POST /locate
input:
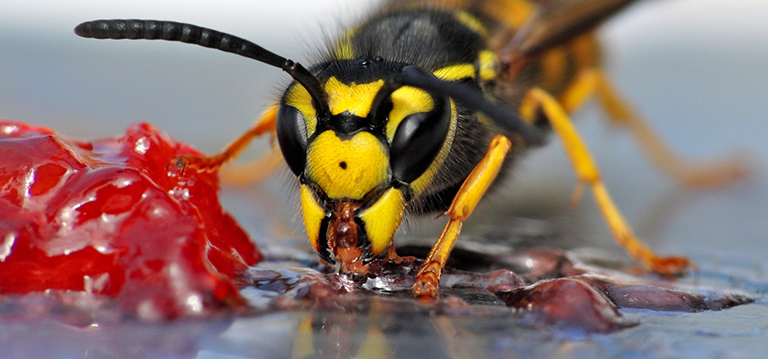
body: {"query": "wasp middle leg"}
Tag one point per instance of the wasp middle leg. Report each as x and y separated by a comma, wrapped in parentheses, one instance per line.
(465, 201)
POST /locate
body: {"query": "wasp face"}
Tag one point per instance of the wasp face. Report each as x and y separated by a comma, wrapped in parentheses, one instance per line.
(361, 161)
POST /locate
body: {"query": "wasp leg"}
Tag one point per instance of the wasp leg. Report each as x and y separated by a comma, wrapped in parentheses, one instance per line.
(426, 283)
(251, 172)
(689, 173)
(588, 174)
(266, 124)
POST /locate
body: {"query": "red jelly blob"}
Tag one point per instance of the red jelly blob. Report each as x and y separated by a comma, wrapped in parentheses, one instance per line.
(567, 302)
(111, 217)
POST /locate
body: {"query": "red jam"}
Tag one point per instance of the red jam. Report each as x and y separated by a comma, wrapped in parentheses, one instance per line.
(111, 217)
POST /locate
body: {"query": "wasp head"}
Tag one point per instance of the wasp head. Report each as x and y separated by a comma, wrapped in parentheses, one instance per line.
(360, 155)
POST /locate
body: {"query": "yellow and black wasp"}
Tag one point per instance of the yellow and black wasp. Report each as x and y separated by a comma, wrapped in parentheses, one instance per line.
(418, 108)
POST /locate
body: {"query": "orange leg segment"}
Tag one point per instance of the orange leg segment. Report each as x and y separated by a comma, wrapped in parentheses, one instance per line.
(474, 187)
(252, 172)
(266, 124)
(588, 174)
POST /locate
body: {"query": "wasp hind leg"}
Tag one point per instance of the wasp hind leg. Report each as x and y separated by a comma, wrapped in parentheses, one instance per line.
(249, 173)
(588, 174)
(689, 173)
(465, 201)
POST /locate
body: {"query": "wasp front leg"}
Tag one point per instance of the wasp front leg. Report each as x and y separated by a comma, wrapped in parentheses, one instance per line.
(474, 187)
(588, 174)
(266, 124)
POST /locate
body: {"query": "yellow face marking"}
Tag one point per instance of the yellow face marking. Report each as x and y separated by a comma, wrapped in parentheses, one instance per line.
(455, 72)
(313, 215)
(407, 100)
(348, 168)
(299, 98)
(382, 219)
(489, 65)
(357, 99)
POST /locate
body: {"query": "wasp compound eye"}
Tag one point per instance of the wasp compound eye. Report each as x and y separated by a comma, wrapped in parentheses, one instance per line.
(418, 140)
(292, 137)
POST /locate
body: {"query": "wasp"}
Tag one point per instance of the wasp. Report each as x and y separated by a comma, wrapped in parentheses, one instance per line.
(419, 108)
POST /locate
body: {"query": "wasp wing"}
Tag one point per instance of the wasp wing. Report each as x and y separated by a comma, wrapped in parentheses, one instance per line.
(557, 21)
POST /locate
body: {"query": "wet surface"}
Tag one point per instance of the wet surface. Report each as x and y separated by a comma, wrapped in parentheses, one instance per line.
(674, 60)
(550, 290)
(298, 311)
(302, 311)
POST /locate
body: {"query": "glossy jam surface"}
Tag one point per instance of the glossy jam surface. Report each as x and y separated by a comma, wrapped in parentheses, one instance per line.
(110, 217)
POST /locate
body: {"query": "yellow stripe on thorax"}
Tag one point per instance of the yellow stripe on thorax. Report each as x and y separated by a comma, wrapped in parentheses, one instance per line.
(488, 68)
(472, 23)
(455, 72)
(343, 49)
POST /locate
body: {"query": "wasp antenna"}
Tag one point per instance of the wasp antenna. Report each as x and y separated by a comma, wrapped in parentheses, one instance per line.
(382, 103)
(312, 84)
(180, 32)
(119, 29)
